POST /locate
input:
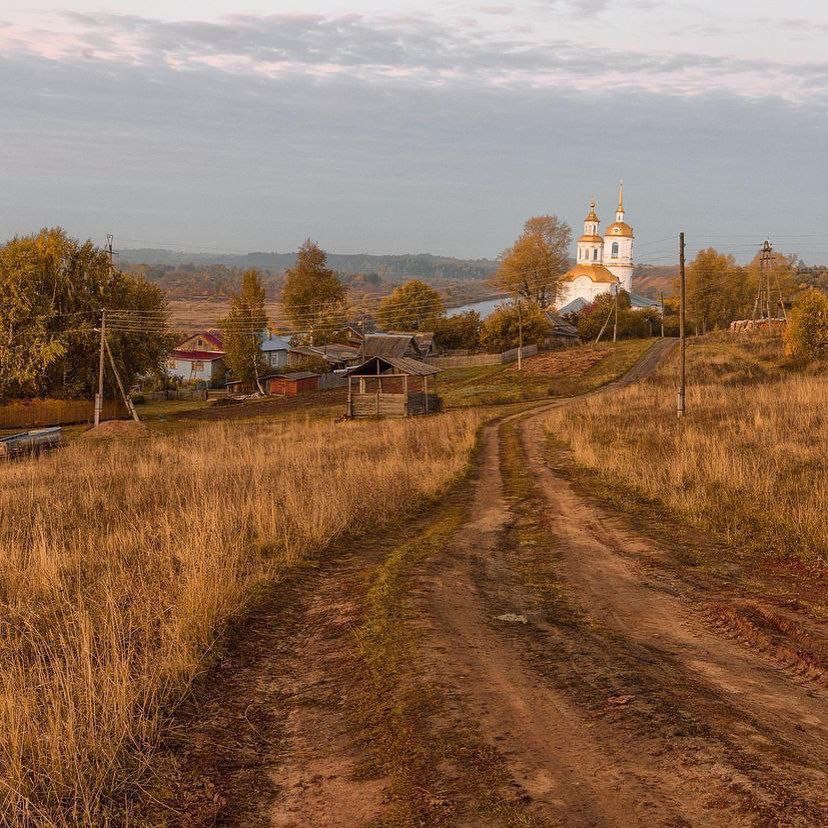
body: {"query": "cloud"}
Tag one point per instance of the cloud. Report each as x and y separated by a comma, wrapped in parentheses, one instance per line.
(408, 49)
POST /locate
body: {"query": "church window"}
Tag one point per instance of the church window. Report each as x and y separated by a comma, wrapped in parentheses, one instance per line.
(595, 254)
(615, 250)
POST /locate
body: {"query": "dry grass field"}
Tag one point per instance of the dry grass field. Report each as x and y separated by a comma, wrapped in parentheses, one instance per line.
(747, 463)
(122, 560)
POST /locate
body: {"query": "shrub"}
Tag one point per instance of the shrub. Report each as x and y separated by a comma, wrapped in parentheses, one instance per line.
(806, 335)
(460, 331)
(501, 330)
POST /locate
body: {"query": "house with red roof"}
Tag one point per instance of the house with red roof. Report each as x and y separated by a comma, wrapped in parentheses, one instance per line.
(199, 358)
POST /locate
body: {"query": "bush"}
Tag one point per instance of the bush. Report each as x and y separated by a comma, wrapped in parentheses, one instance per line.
(632, 324)
(806, 334)
(460, 331)
(501, 330)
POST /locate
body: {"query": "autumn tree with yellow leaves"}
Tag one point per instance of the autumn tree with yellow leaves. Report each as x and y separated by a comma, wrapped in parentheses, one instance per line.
(534, 264)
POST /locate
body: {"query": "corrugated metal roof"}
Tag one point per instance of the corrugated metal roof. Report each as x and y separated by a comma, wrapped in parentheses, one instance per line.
(578, 303)
(639, 301)
(402, 365)
(275, 343)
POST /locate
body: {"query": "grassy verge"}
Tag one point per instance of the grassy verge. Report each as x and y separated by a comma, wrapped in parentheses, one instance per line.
(563, 373)
(123, 560)
(748, 462)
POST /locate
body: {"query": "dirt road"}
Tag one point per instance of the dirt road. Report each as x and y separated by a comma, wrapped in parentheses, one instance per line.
(533, 662)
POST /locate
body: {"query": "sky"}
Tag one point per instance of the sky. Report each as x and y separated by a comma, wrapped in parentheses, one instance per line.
(414, 126)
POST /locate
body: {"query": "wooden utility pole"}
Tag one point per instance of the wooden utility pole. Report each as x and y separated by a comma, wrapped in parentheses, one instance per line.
(682, 338)
(99, 395)
(662, 313)
(520, 335)
(126, 398)
(615, 323)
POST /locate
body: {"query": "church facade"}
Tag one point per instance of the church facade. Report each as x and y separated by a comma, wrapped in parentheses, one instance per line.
(602, 260)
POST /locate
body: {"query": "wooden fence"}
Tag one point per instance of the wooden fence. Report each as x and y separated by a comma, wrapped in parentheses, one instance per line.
(482, 359)
(40, 413)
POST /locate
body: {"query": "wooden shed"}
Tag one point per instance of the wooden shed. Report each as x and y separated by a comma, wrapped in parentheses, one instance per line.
(290, 384)
(391, 387)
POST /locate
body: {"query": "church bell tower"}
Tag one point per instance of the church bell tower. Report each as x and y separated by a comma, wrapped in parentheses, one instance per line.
(618, 246)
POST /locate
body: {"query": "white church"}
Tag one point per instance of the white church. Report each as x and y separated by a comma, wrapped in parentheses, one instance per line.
(602, 263)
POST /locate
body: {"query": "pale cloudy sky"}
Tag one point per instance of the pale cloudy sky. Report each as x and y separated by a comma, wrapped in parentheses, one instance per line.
(414, 126)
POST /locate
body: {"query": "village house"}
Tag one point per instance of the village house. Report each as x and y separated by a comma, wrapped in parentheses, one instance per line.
(391, 345)
(275, 350)
(391, 387)
(199, 358)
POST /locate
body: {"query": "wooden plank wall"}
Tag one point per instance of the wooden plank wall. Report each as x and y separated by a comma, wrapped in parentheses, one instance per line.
(382, 405)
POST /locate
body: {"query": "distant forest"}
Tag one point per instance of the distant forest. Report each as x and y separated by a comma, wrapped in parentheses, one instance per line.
(186, 275)
(216, 276)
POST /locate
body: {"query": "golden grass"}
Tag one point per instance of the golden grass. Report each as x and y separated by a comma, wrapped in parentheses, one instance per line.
(748, 462)
(121, 561)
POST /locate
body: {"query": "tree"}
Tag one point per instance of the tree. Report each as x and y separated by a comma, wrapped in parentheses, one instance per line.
(243, 330)
(718, 291)
(806, 334)
(459, 331)
(501, 330)
(54, 288)
(413, 306)
(532, 266)
(313, 295)
(632, 323)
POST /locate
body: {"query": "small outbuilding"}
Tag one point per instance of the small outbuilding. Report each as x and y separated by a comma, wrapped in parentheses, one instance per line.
(290, 384)
(391, 387)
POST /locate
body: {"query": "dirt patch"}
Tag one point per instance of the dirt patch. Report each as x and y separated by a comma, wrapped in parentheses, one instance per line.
(117, 428)
(268, 406)
(572, 362)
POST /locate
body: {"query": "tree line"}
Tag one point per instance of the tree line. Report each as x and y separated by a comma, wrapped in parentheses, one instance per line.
(55, 287)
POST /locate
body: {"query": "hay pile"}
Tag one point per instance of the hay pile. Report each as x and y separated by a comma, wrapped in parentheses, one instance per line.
(117, 428)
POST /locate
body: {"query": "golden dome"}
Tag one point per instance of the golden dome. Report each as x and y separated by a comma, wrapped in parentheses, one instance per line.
(596, 272)
(619, 228)
(594, 239)
(592, 215)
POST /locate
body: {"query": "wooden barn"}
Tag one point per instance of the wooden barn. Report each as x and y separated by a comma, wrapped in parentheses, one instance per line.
(290, 384)
(391, 387)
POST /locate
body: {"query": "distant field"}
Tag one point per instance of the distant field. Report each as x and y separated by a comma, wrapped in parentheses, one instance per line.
(198, 313)
(195, 314)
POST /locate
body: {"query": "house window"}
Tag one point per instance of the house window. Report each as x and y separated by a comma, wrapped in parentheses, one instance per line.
(198, 366)
(615, 250)
(199, 342)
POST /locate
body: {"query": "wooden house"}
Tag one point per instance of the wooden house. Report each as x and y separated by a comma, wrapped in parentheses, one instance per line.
(391, 346)
(290, 384)
(391, 387)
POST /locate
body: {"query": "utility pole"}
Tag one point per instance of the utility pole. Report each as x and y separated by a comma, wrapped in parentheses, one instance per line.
(615, 324)
(126, 398)
(99, 395)
(662, 313)
(520, 335)
(682, 338)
